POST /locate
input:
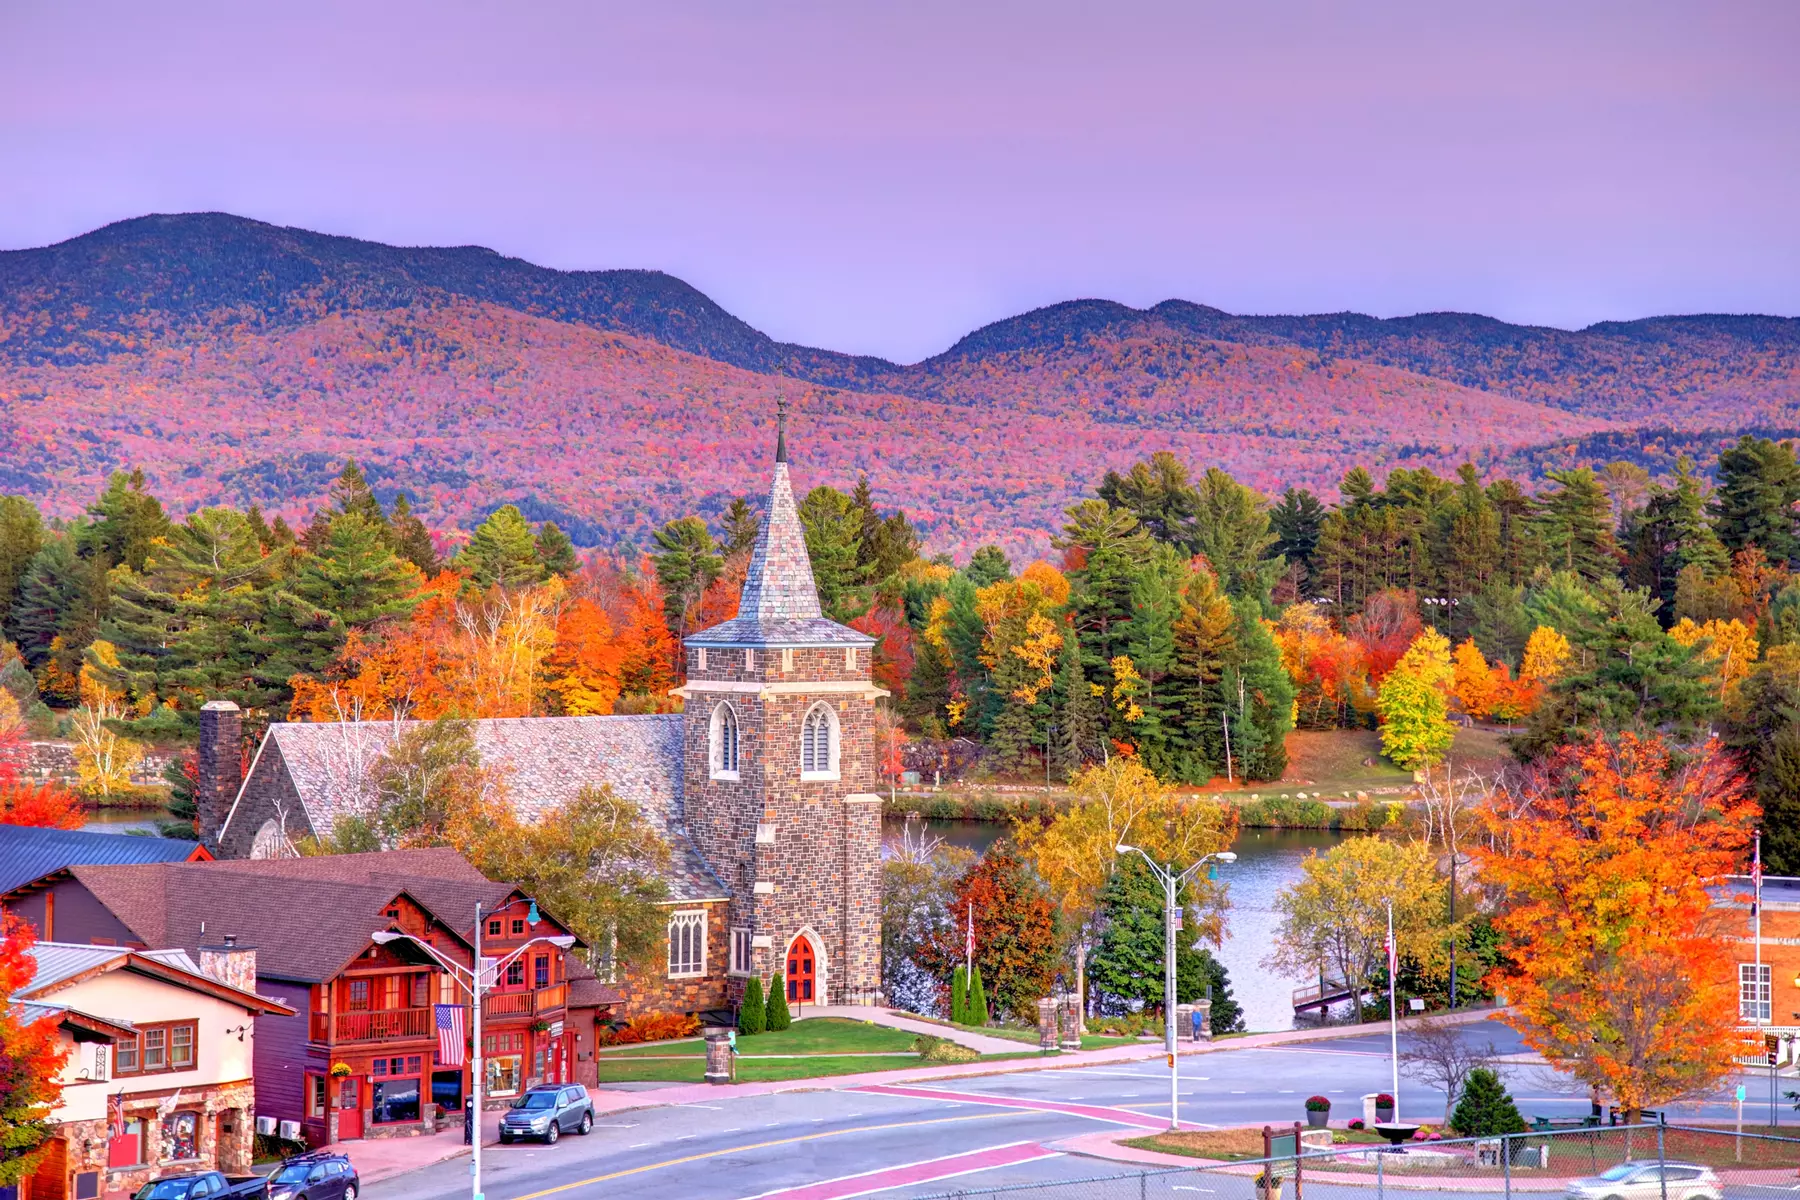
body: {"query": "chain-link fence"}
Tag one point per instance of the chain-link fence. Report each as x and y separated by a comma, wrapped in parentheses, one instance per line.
(1623, 1162)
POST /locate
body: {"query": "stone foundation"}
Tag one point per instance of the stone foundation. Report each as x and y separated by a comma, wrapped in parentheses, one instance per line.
(224, 1134)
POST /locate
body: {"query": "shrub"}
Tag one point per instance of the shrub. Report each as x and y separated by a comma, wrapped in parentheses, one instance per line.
(1317, 1104)
(943, 1050)
(975, 1009)
(959, 997)
(775, 1014)
(1357, 1123)
(1486, 1110)
(652, 1027)
(752, 1017)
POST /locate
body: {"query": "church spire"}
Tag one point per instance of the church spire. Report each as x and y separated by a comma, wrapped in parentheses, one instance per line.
(780, 585)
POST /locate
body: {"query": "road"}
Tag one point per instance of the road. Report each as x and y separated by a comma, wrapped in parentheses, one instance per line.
(989, 1131)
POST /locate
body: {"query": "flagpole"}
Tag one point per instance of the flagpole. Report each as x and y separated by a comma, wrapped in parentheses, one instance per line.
(1393, 958)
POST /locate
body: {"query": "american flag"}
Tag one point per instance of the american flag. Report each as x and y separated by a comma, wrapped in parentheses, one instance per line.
(452, 1034)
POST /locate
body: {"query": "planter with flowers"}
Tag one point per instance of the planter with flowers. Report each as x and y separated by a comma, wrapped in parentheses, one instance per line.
(1384, 1108)
(1318, 1112)
(340, 1070)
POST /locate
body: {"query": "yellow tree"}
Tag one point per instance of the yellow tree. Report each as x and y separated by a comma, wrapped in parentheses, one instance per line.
(104, 760)
(1122, 801)
(1730, 649)
(1415, 722)
(1547, 653)
(1334, 917)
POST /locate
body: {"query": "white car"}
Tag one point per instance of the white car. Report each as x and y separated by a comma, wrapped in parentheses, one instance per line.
(1648, 1181)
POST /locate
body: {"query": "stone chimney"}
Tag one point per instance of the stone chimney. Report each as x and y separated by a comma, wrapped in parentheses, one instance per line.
(220, 763)
(230, 963)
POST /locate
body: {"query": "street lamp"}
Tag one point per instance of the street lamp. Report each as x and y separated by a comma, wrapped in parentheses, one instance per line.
(1172, 884)
(474, 981)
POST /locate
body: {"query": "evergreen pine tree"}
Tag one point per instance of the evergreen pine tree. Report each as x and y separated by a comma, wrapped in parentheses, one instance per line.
(555, 552)
(351, 494)
(412, 541)
(1486, 1110)
(752, 1017)
(1264, 695)
(181, 773)
(959, 1002)
(1128, 963)
(687, 561)
(977, 1005)
(1778, 788)
(1079, 721)
(125, 521)
(1754, 503)
(834, 543)
(21, 537)
(928, 690)
(775, 1013)
(1204, 642)
(353, 582)
(988, 566)
(740, 526)
(1576, 525)
(502, 551)
(1296, 521)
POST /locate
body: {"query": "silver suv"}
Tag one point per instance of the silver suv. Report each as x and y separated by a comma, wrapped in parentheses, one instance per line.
(548, 1111)
(1648, 1181)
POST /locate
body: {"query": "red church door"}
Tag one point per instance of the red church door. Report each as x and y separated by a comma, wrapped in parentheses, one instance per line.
(800, 972)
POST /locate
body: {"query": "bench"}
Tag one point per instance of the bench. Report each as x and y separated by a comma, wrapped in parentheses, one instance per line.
(1544, 1124)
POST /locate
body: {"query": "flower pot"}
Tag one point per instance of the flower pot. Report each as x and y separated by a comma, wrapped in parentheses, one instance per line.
(1318, 1118)
(1384, 1115)
(1267, 1189)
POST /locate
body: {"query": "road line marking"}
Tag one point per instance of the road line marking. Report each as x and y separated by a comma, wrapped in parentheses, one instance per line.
(639, 1146)
(882, 1179)
(708, 1107)
(1113, 1115)
(788, 1141)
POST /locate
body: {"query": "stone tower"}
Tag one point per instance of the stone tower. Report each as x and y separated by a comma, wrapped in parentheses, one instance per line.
(779, 773)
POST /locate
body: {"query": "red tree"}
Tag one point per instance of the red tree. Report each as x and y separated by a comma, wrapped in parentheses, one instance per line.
(1016, 935)
(31, 1059)
(46, 806)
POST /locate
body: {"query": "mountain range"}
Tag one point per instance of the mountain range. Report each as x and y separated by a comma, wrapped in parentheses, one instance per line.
(237, 361)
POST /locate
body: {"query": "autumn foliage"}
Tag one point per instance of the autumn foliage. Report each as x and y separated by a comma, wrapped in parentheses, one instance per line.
(1618, 969)
(31, 1058)
(1016, 931)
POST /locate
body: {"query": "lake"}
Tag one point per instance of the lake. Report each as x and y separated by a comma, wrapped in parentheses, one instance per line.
(1268, 860)
(123, 820)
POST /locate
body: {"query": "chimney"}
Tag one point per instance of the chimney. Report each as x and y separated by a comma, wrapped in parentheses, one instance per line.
(220, 764)
(230, 963)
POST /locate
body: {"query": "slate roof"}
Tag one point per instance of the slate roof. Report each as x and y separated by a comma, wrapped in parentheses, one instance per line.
(547, 761)
(780, 601)
(28, 853)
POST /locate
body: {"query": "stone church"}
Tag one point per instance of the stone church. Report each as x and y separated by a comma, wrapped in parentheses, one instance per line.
(763, 787)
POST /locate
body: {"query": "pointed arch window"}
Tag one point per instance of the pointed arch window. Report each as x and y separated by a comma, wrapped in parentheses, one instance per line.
(725, 742)
(819, 743)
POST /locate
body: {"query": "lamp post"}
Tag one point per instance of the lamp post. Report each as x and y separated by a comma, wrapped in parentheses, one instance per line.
(474, 981)
(1172, 882)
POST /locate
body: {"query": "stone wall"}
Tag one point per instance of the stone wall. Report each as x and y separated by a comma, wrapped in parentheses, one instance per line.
(226, 1131)
(652, 991)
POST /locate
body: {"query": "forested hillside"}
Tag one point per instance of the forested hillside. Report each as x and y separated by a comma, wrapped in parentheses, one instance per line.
(238, 362)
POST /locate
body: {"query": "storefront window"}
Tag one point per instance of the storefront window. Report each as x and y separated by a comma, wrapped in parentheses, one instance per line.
(181, 1136)
(394, 1100)
(503, 1075)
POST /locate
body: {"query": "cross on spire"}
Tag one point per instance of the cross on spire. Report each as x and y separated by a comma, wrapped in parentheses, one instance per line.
(781, 429)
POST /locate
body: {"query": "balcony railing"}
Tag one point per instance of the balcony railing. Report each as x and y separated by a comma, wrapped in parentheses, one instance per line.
(378, 1025)
(525, 1004)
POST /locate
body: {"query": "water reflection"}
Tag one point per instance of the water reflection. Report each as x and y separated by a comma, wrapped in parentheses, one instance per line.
(1268, 860)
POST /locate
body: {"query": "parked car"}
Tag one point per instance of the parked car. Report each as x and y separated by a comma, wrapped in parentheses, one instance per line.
(204, 1185)
(548, 1111)
(1648, 1181)
(319, 1176)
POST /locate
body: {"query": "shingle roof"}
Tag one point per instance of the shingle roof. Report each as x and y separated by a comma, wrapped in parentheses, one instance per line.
(546, 761)
(780, 601)
(299, 930)
(28, 853)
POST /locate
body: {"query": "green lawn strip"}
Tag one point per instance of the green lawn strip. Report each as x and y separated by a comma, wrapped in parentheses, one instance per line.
(815, 1035)
(1230, 1145)
(661, 1050)
(764, 1070)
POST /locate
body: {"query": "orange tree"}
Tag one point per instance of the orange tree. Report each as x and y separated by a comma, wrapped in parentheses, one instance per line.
(30, 1059)
(1618, 968)
(1016, 933)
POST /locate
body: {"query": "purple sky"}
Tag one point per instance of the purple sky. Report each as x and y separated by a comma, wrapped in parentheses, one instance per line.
(885, 177)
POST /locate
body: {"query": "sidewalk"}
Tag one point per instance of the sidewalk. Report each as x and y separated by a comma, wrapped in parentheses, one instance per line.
(892, 1020)
(383, 1158)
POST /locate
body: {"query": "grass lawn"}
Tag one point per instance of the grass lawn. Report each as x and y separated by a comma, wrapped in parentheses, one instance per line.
(825, 1046)
(1229, 1145)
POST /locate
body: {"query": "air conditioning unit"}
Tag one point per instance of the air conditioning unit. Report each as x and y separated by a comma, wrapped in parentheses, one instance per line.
(265, 1126)
(290, 1131)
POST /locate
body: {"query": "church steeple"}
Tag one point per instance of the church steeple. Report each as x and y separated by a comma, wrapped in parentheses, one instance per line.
(781, 430)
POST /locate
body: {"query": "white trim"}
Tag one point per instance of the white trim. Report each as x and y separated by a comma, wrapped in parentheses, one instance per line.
(821, 976)
(715, 741)
(685, 917)
(769, 691)
(747, 965)
(862, 798)
(762, 889)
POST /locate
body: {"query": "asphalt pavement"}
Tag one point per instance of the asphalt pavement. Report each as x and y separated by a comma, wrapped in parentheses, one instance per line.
(988, 1131)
